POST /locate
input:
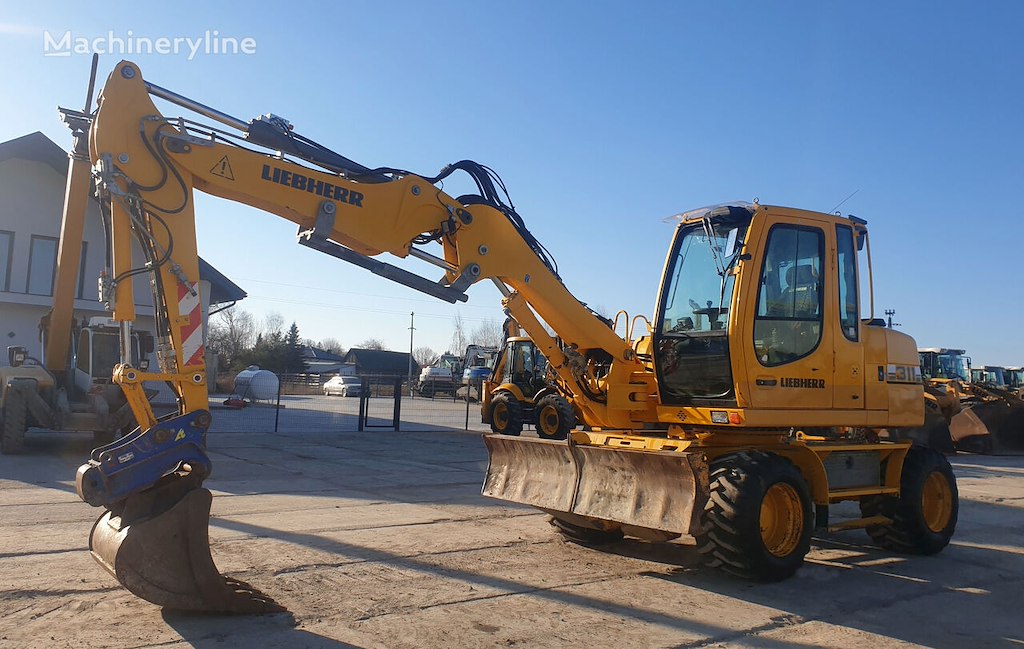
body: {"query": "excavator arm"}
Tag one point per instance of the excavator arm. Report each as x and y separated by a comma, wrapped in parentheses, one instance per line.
(146, 167)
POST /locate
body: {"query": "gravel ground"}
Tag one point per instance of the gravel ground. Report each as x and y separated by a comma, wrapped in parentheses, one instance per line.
(381, 539)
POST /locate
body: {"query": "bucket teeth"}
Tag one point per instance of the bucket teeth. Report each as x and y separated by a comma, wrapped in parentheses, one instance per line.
(161, 553)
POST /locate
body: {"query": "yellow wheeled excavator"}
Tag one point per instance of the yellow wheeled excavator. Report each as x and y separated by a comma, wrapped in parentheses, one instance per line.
(751, 403)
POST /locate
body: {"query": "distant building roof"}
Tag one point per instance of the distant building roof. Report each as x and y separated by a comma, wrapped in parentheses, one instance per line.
(379, 361)
(311, 353)
(39, 148)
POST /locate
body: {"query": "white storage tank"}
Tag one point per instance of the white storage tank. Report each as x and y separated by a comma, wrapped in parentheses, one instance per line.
(256, 384)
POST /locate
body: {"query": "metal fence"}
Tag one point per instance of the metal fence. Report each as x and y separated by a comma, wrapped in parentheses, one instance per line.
(387, 402)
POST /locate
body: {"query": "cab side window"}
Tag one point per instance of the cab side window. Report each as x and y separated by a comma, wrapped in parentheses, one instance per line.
(788, 322)
(847, 267)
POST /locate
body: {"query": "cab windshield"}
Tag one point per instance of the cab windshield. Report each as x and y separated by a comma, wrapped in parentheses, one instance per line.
(953, 366)
(692, 346)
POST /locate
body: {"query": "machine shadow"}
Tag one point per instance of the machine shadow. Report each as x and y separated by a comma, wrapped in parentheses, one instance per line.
(217, 631)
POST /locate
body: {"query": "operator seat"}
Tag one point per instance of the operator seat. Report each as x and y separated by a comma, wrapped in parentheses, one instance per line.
(801, 292)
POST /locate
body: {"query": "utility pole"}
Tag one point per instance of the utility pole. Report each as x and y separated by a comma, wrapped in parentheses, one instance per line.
(412, 320)
(890, 313)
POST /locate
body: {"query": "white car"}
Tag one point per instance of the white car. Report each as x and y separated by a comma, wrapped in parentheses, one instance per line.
(346, 386)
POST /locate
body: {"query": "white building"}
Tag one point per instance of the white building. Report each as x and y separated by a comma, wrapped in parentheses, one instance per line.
(33, 173)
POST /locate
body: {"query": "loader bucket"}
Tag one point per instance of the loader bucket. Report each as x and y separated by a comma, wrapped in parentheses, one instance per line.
(164, 558)
(655, 495)
(995, 428)
(935, 432)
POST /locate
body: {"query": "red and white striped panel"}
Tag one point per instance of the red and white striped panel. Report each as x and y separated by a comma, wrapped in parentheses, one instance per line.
(192, 333)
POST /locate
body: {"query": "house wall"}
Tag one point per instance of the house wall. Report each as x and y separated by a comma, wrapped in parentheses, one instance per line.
(31, 203)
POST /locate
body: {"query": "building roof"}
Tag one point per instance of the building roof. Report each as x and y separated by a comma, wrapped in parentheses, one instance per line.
(379, 361)
(222, 289)
(39, 148)
(311, 353)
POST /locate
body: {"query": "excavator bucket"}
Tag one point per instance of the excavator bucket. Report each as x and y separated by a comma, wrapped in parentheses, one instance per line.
(995, 428)
(162, 554)
(654, 495)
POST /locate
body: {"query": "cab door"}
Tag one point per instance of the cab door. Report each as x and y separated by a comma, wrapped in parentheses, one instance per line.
(792, 364)
(849, 350)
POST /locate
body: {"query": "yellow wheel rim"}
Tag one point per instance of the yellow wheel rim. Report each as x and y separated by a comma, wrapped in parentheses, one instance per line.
(548, 420)
(936, 502)
(782, 519)
(500, 416)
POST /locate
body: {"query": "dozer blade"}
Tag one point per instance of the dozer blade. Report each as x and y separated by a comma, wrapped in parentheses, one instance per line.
(163, 555)
(994, 428)
(656, 495)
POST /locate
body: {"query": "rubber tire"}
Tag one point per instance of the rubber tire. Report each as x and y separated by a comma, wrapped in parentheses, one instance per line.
(564, 418)
(730, 536)
(514, 410)
(908, 532)
(12, 438)
(585, 535)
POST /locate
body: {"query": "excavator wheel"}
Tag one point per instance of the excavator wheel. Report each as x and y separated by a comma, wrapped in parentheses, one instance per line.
(506, 414)
(585, 535)
(12, 433)
(925, 513)
(555, 417)
(157, 546)
(758, 519)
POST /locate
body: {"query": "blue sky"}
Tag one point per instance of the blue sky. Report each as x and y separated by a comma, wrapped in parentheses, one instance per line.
(603, 119)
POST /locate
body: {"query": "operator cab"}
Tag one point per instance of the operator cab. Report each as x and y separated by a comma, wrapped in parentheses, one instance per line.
(760, 309)
(521, 364)
(942, 363)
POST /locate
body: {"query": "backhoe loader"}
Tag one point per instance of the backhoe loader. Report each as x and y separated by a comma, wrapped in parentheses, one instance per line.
(752, 402)
(520, 391)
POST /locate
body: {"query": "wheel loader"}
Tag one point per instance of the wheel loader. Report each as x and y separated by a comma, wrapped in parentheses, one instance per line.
(754, 399)
(983, 413)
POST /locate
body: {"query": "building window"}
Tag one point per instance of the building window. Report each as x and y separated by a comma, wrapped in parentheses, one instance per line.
(42, 261)
(6, 252)
(42, 266)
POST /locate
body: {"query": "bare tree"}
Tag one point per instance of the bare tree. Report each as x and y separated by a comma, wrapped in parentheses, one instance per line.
(425, 356)
(332, 345)
(273, 323)
(372, 343)
(232, 333)
(488, 334)
(459, 342)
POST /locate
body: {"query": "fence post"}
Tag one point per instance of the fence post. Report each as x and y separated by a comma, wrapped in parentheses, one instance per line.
(397, 419)
(363, 396)
(277, 410)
